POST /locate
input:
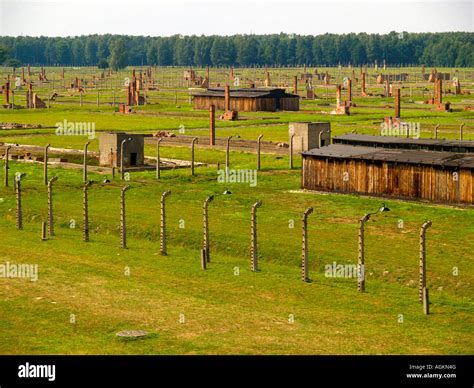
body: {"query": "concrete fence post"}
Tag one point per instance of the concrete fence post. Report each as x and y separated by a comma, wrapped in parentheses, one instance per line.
(43, 231)
(158, 162)
(203, 259)
(85, 212)
(50, 206)
(253, 231)
(84, 173)
(212, 125)
(426, 301)
(206, 245)
(259, 146)
(227, 156)
(122, 167)
(7, 155)
(194, 141)
(304, 250)
(123, 223)
(45, 166)
(291, 151)
(320, 137)
(19, 209)
(361, 256)
(163, 239)
(422, 282)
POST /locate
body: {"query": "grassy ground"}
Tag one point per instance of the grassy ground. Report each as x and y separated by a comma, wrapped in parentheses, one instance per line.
(226, 309)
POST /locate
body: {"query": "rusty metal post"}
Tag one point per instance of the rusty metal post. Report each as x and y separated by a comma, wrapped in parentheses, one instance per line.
(291, 151)
(212, 125)
(253, 230)
(361, 257)
(163, 240)
(304, 250)
(45, 167)
(50, 205)
(7, 155)
(259, 145)
(158, 162)
(84, 173)
(461, 131)
(206, 246)
(195, 140)
(19, 209)
(85, 211)
(123, 224)
(422, 283)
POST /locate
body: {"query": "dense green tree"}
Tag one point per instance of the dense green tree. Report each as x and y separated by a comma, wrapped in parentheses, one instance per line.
(246, 48)
(91, 52)
(164, 53)
(103, 64)
(12, 62)
(431, 49)
(202, 51)
(184, 51)
(151, 57)
(63, 51)
(103, 51)
(78, 57)
(118, 54)
(3, 54)
(222, 52)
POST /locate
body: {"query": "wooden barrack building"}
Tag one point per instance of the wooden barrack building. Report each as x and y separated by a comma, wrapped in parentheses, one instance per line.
(247, 100)
(379, 168)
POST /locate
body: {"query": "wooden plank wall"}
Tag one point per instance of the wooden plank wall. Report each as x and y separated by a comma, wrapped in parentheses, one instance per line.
(403, 180)
(289, 103)
(238, 104)
(247, 104)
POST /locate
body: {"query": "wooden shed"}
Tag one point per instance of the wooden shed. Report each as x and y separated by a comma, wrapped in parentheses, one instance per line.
(247, 100)
(402, 173)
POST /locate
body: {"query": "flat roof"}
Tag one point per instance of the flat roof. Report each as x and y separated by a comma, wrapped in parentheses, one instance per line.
(438, 158)
(402, 141)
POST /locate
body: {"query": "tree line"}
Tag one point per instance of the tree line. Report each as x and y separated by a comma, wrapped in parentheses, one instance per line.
(449, 49)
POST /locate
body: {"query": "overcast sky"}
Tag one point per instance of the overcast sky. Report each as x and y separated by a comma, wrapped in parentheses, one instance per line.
(224, 17)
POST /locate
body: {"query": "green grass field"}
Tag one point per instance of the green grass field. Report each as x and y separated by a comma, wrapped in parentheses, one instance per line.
(87, 292)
